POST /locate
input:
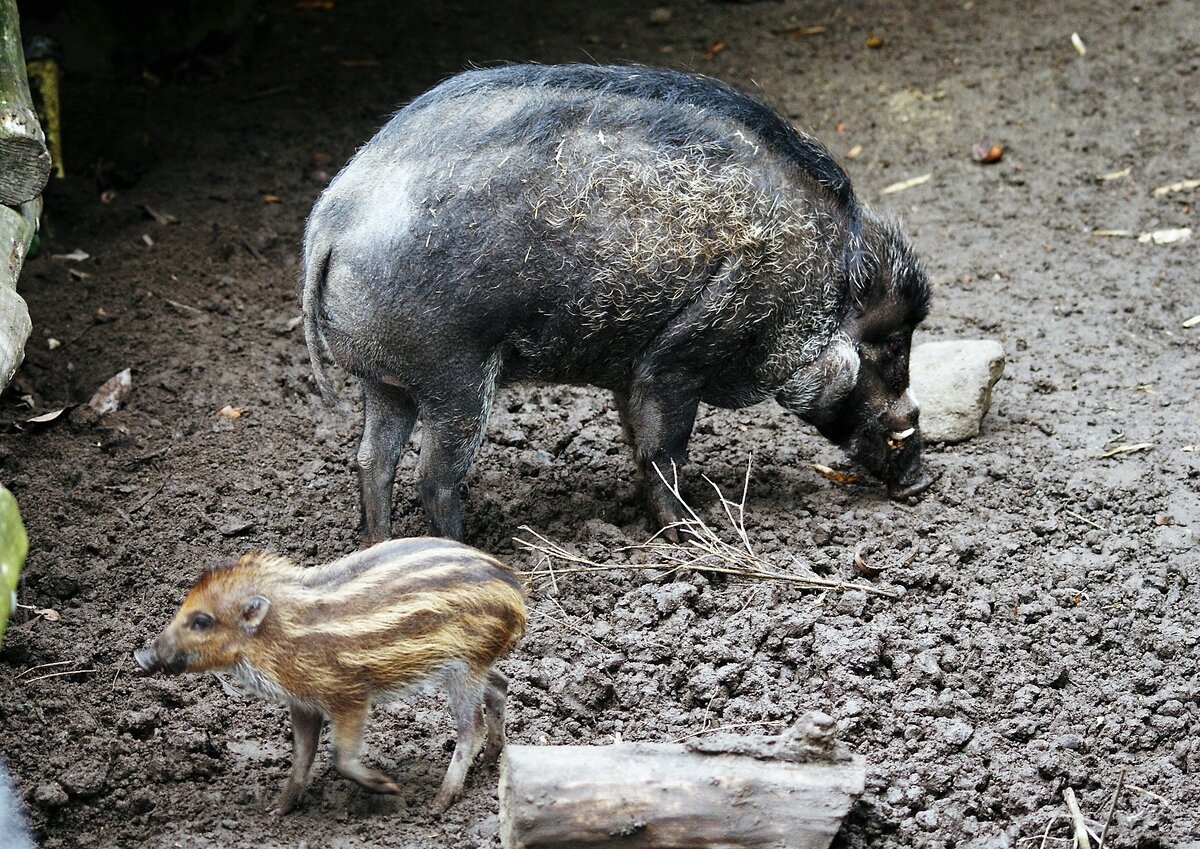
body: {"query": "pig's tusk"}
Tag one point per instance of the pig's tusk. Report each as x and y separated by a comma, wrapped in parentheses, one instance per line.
(900, 436)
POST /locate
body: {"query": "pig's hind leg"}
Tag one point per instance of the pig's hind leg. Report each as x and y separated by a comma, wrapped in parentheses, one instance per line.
(389, 414)
(467, 701)
(454, 423)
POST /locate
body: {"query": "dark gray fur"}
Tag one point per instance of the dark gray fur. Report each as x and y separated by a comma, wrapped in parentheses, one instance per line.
(653, 233)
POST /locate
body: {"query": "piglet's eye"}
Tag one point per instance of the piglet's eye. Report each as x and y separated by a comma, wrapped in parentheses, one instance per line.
(894, 347)
(201, 622)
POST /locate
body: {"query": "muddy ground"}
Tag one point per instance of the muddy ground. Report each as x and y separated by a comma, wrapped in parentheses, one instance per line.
(1042, 633)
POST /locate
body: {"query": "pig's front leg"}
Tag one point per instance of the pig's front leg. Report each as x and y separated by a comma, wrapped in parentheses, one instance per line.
(659, 418)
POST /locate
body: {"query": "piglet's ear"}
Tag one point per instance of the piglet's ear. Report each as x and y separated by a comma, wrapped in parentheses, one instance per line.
(254, 611)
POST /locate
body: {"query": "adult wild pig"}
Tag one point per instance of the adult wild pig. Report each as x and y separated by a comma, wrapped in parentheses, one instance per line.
(656, 234)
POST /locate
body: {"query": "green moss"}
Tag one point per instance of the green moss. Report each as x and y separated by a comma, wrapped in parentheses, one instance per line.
(13, 546)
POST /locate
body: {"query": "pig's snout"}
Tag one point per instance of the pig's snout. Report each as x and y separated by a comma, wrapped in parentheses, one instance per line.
(907, 475)
(914, 486)
(905, 447)
(900, 419)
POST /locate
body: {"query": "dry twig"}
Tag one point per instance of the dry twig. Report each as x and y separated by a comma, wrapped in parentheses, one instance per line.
(704, 550)
(1082, 841)
(58, 674)
(1112, 808)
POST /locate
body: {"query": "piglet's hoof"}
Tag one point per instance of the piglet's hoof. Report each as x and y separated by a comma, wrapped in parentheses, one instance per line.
(284, 804)
(443, 800)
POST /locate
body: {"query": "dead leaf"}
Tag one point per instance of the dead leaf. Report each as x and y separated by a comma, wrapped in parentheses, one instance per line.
(1163, 519)
(146, 238)
(112, 393)
(1166, 237)
(714, 48)
(1125, 449)
(48, 613)
(108, 196)
(834, 475)
(1078, 43)
(270, 198)
(874, 42)
(1181, 186)
(803, 32)
(77, 255)
(102, 316)
(231, 412)
(1192, 322)
(985, 153)
(1114, 175)
(854, 152)
(46, 418)
(162, 218)
(77, 274)
(1125, 234)
(863, 566)
(53, 344)
(904, 185)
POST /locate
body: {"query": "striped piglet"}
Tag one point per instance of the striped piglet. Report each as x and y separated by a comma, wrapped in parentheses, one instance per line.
(330, 640)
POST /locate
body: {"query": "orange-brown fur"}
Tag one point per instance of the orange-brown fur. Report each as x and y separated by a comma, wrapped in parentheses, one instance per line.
(329, 640)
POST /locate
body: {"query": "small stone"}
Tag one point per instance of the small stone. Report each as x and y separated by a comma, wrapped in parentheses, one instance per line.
(236, 526)
(1073, 742)
(953, 382)
(50, 795)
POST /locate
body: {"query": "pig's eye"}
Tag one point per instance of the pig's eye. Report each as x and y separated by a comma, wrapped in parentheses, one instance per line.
(201, 622)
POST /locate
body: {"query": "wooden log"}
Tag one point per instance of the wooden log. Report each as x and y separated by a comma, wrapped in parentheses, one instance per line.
(17, 228)
(24, 160)
(787, 792)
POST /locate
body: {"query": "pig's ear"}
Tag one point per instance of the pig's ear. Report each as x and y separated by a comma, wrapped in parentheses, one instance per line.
(254, 611)
(826, 382)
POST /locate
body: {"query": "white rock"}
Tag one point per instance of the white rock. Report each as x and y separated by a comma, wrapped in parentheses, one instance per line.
(953, 382)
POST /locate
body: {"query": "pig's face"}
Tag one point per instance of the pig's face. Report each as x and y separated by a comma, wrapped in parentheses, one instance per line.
(859, 397)
(208, 632)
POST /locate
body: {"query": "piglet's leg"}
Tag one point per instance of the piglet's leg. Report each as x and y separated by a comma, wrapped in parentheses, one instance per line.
(495, 693)
(466, 706)
(306, 733)
(347, 748)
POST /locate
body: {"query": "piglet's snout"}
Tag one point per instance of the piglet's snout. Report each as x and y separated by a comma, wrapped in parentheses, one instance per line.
(147, 660)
